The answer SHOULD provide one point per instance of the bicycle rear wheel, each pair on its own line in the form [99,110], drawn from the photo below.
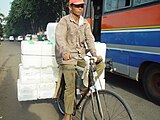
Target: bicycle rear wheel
[113,107]
[60,99]
[60,104]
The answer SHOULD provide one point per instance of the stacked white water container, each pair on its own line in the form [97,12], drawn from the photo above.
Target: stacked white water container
[51,28]
[38,71]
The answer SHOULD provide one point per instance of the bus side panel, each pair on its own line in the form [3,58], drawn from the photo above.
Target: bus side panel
[136,37]
[146,16]
[120,60]
[132,37]
[130,48]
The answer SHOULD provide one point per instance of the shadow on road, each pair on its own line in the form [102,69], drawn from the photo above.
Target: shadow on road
[126,84]
[50,102]
[10,108]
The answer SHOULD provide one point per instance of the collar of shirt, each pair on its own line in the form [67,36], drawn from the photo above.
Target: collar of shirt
[81,20]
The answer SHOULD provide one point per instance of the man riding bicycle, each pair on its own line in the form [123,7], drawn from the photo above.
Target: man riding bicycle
[73,33]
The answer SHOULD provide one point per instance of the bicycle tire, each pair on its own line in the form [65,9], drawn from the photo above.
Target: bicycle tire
[60,99]
[60,104]
[113,107]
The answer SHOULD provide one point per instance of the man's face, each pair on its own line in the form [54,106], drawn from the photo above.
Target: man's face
[77,9]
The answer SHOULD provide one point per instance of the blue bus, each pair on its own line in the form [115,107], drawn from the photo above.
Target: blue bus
[131,31]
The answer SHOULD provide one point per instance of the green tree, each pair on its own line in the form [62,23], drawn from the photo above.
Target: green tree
[32,16]
[1,27]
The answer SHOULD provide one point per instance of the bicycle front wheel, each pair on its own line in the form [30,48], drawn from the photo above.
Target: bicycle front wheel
[109,106]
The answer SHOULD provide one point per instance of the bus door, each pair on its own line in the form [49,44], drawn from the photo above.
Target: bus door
[93,13]
[97,15]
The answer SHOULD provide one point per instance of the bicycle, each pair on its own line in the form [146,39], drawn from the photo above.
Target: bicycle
[100,104]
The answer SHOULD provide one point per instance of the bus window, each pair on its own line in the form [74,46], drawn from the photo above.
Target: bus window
[140,2]
[111,5]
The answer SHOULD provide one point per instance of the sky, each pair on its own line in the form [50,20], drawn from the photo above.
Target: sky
[5,6]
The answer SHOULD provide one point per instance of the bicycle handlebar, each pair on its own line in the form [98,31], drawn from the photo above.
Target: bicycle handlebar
[87,58]
[90,62]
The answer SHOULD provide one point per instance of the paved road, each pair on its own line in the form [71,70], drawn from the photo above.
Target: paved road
[11,109]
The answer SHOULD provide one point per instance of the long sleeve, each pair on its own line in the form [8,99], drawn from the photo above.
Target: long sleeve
[90,40]
[61,32]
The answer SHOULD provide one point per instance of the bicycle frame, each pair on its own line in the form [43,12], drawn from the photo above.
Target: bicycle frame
[91,87]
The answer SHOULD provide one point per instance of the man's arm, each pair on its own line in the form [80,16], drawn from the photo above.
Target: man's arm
[90,40]
[61,32]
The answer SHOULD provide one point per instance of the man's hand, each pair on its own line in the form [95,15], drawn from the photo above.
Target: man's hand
[99,59]
[67,56]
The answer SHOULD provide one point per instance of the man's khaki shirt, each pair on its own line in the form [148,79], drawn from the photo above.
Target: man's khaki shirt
[73,38]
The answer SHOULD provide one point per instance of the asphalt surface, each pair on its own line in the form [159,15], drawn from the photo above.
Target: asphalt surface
[12,109]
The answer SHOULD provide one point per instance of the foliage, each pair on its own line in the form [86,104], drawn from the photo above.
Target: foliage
[1,27]
[32,16]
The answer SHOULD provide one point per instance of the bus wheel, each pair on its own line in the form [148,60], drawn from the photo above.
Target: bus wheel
[151,83]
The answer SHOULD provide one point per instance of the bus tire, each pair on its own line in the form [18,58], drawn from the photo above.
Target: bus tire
[151,83]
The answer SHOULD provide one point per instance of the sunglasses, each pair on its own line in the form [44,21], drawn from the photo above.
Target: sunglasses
[78,6]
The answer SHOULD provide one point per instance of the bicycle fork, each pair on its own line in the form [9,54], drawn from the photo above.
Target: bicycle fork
[98,103]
